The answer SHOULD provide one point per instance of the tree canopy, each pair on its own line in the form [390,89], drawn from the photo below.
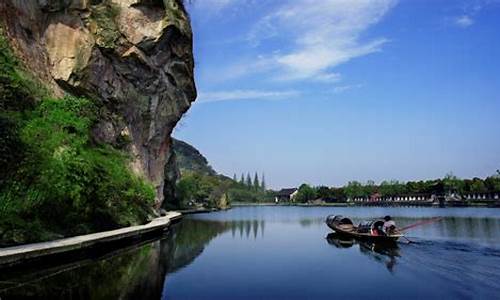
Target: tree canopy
[448,184]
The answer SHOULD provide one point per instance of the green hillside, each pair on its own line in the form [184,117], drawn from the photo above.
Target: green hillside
[190,159]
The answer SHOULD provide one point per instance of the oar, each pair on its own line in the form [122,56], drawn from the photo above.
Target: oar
[409,241]
[424,222]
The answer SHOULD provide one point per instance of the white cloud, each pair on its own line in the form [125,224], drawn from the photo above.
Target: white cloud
[343,88]
[329,77]
[470,12]
[464,21]
[233,95]
[247,66]
[323,34]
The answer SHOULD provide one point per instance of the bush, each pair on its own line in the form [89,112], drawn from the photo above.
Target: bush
[11,147]
[305,193]
[55,180]
[65,184]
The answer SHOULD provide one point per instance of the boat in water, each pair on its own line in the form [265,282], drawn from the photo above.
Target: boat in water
[366,230]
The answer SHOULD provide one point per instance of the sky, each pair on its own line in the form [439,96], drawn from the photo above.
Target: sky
[328,91]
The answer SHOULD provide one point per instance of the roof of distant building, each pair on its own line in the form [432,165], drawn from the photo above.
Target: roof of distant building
[286,192]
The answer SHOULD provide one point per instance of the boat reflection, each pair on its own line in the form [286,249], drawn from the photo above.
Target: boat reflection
[386,253]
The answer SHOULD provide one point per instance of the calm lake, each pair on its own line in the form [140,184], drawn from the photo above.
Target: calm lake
[285,253]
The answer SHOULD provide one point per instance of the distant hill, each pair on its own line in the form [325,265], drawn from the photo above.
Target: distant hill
[190,159]
[200,185]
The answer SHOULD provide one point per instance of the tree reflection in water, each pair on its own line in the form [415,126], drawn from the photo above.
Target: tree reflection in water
[459,253]
[135,272]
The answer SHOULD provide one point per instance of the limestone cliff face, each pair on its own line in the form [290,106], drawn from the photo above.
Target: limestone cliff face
[134,56]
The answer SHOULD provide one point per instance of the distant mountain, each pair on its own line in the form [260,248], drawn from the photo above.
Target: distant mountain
[190,159]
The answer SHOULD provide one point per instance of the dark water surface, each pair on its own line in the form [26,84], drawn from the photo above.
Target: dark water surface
[285,253]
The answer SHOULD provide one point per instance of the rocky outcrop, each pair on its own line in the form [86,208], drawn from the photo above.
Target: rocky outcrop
[190,159]
[134,57]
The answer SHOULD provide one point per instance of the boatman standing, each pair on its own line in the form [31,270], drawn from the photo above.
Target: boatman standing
[389,225]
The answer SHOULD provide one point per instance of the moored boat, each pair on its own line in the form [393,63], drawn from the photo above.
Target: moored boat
[366,230]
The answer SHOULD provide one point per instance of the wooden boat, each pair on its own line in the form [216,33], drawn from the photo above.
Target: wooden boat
[367,230]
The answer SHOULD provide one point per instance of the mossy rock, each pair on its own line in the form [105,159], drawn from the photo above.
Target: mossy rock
[175,15]
[103,24]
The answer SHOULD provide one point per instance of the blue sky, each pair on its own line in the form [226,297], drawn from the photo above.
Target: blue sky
[327,91]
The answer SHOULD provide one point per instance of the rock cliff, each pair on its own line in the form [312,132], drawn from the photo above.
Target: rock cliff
[132,56]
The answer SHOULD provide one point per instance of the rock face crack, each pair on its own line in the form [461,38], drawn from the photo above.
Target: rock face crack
[133,56]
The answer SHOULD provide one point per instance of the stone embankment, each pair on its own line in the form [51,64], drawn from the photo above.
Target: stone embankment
[24,253]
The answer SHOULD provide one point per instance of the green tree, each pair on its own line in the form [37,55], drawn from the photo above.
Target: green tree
[478,186]
[256,184]
[234,178]
[305,193]
[338,194]
[370,188]
[386,189]
[242,179]
[492,183]
[354,189]
[412,187]
[452,183]
[187,188]
[324,192]
[249,180]
[263,183]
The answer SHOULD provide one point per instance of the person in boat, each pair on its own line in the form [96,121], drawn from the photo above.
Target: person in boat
[377,228]
[389,225]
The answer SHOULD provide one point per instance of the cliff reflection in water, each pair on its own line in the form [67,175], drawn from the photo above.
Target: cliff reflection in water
[207,257]
[136,272]
[121,274]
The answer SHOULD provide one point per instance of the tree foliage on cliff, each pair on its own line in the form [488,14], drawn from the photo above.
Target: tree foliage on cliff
[56,180]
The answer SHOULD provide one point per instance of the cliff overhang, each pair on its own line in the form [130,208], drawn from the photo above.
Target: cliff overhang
[134,57]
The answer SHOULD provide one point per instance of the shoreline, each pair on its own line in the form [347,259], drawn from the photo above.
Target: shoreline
[346,204]
[65,248]
[18,255]
[237,204]
[70,248]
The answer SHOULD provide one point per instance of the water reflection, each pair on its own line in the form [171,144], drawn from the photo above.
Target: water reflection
[282,251]
[481,230]
[123,274]
[385,253]
[244,228]
[135,272]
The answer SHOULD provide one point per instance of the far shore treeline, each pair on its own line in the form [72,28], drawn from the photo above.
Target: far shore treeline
[449,184]
[197,188]
[201,186]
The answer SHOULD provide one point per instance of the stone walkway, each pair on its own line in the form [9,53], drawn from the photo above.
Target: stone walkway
[17,254]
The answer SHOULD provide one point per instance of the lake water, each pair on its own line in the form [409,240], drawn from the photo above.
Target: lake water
[285,253]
